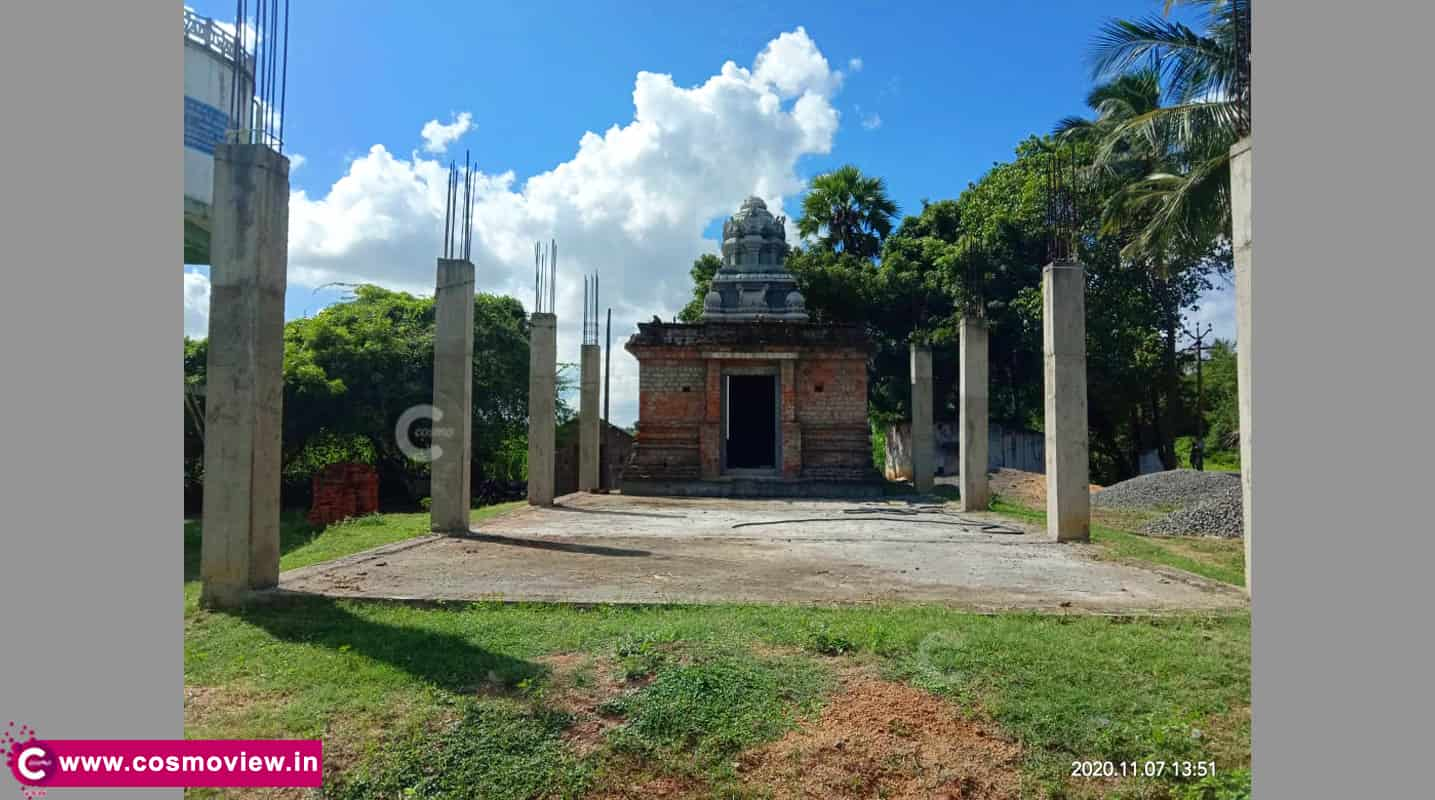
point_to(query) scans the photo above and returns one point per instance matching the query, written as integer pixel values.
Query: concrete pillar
(923, 449)
(1063, 331)
(589, 432)
(244, 392)
(451, 483)
(972, 409)
(1241, 239)
(542, 371)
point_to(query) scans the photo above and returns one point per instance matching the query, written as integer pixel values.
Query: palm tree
(1125, 159)
(848, 212)
(1129, 95)
(1186, 194)
(1124, 170)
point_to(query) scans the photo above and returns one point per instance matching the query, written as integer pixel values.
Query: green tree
(352, 369)
(704, 268)
(982, 253)
(996, 236)
(848, 212)
(355, 367)
(1160, 171)
(196, 355)
(1218, 397)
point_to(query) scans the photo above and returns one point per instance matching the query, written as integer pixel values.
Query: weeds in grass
(640, 657)
(715, 706)
(822, 639)
(496, 751)
(1234, 784)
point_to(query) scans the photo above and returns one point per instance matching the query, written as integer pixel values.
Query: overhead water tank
(209, 84)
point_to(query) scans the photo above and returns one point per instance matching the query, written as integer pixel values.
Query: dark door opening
(751, 421)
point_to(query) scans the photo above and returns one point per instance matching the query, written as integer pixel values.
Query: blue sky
(929, 96)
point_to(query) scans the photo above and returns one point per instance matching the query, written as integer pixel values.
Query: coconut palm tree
(848, 212)
(1127, 96)
(1124, 170)
(1116, 102)
(1185, 196)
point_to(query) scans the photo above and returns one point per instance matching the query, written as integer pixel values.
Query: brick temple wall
(342, 491)
(832, 411)
(822, 380)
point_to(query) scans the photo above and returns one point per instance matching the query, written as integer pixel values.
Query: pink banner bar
(156, 763)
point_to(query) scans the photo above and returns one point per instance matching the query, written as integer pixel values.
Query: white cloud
(870, 120)
(295, 162)
(793, 64)
(437, 136)
(854, 64)
(632, 202)
(196, 305)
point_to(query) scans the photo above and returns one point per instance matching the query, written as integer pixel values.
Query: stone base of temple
(755, 487)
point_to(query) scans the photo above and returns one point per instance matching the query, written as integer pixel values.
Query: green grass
(717, 705)
(1073, 690)
(354, 673)
(1221, 560)
(456, 700)
(496, 750)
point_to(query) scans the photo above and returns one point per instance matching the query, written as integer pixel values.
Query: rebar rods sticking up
(1241, 79)
(545, 273)
(458, 220)
(259, 84)
(590, 309)
(1062, 221)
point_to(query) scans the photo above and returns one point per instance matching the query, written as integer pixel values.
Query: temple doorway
(750, 422)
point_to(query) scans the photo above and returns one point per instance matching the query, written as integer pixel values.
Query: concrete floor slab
(593, 548)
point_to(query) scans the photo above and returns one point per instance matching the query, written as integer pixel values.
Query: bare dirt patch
(1023, 488)
(581, 684)
(882, 739)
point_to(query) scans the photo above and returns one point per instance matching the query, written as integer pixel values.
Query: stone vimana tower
(755, 400)
(753, 282)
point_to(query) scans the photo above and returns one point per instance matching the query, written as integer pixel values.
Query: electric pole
(1198, 447)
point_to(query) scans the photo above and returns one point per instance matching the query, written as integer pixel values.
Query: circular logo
(34, 763)
(403, 433)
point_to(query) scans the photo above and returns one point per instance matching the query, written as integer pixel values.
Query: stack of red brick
(342, 491)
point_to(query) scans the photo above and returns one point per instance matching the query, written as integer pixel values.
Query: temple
(754, 400)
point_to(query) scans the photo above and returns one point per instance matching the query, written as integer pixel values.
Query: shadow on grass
(294, 533)
(445, 660)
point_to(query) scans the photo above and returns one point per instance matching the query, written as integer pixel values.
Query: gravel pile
(1206, 503)
(1179, 488)
(1219, 515)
